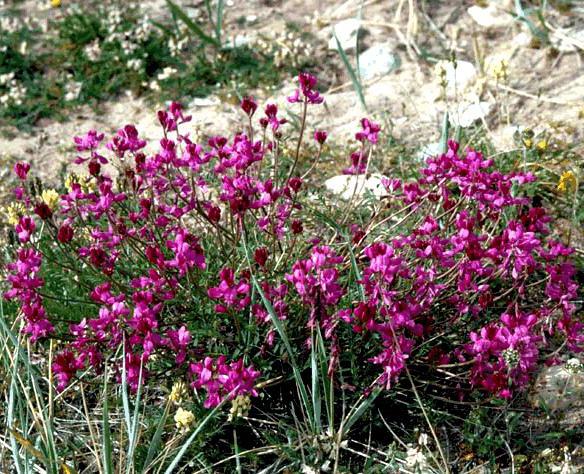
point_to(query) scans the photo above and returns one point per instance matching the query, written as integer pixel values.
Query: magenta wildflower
(307, 91)
(249, 106)
(223, 381)
(370, 131)
(232, 294)
(320, 136)
(21, 169)
(25, 228)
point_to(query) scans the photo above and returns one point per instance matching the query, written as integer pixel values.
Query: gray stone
(347, 186)
(490, 16)
(378, 60)
(346, 32)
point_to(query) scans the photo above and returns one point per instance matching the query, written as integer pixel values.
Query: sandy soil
(544, 89)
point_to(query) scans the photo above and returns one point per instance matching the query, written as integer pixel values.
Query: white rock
(346, 186)
(239, 40)
(490, 16)
(377, 61)
(521, 39)
(567, 40)
(431, 149)
(560, 387)
(466, 114)
(457, 78)
(204, 102)
(346, 32)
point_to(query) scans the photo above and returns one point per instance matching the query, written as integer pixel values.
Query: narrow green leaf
(193, 436)
(358, 410)
(354, 79)
(107, 435)
(191, 25)
(282, 333)
(316, 402)
(444, 134)
(155, 443)
(219, 21)
(135, 423)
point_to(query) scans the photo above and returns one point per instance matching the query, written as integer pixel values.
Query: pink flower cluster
(25, 282)
(221, 380)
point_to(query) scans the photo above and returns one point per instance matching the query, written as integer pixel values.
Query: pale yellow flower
(567, 182)
(178, 392)
(501, 71)
(240, 406)
(184, 419)
(87, 184)
(51, 198)
(13, 212)
(542, 145)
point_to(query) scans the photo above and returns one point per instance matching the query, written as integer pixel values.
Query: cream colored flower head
(13, 212)
(51, 198)
(178, 393)
(240, 407)
(567, 182)
(184, 419)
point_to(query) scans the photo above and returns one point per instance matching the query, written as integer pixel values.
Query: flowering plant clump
(208, 259)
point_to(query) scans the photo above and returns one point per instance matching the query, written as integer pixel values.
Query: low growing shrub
(214, 263)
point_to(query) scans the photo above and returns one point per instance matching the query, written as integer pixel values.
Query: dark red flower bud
(214, 214)
(249, 106)
(261, 256)
(43, 211)
(94, 168)
(295, 183)
(297, 227)
(65, 234)
(21, 169)
(320, 136)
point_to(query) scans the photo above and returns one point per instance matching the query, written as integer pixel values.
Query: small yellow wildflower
(55, 3)
(87, 185)
(183, 419)
(51, 198)
(527, 137)
(13, 212)
(178, 392)
(542, 145)
(567, 182)
(501, 71)
(70, 180)
(240, 406)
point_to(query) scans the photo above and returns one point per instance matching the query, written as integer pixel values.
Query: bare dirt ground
(543, 88)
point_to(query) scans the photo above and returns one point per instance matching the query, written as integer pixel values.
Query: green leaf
(191, 25)
(107, 435)
(219, 21)
(354, 79)
(155, 443)
(444, 134)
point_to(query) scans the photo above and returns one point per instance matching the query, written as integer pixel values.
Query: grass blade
(316, 402)
(107, 435)
(192, 437)
(191, 25)
(135, 425)
(282, 333)
(219, 21)
(354, 79)
(155, 443)
(444, 134)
